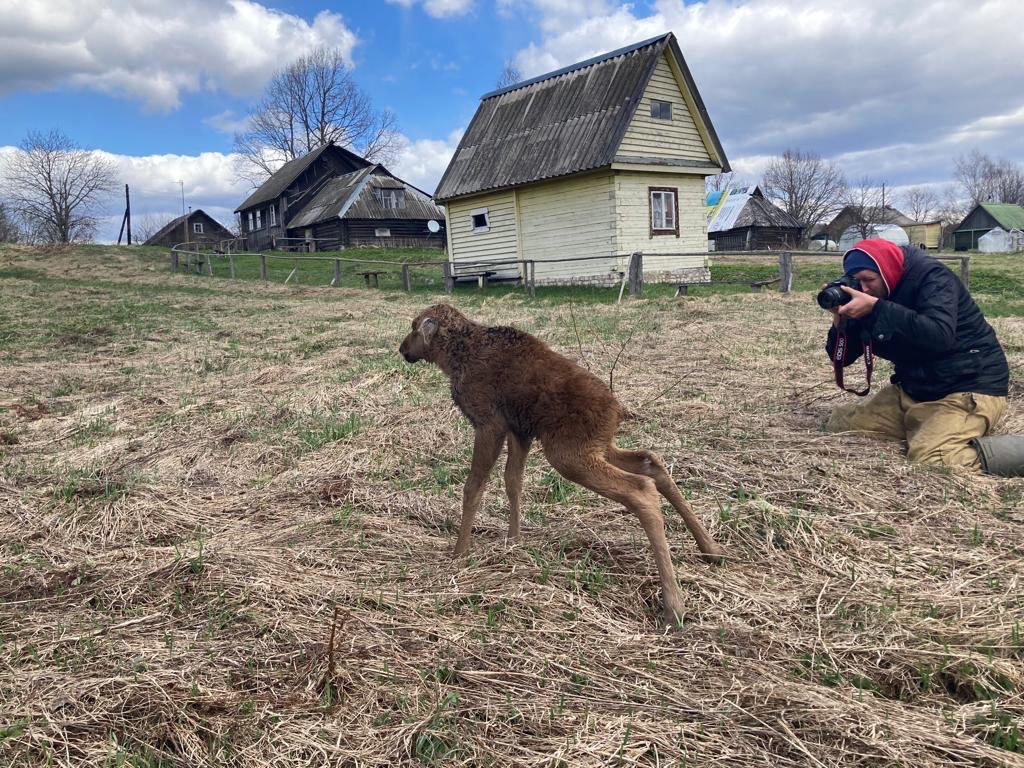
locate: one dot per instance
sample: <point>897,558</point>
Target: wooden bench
<point>480,275</point>
<point>370,273</point>
<point>682,289</point>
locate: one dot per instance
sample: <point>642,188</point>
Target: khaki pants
<point>937,432</point>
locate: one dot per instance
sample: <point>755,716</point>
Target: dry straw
<point>226,512</point>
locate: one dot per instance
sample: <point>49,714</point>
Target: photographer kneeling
<point>951,378</point>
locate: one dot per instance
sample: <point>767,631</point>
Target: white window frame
<point>391,198</point>
<point>273,216</point>
<point>259,219</point>
<point>661,103</point>
<point>197,227</point>
<point>382,232</point>
<point>251,228</point>
<point>473,226</point>
<point>669,201</point>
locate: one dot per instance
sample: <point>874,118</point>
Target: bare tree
<point>311,102</point>
<point>984,180</point>
<point>867,203</point>
<point>920,203</point>
<point>510,75</point>
<point>808,188</point>
<point>9,230</point>
<point>147,225</point>
<point>718,182</point>
<point>56,188</point>
<point>951,210</point>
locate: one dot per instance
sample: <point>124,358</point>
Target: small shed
<point>603,158</point>
<point>983,218</point>
<point>925,234</point>
<point>370,206</point>
<point>741,219</point>
<point>866,218</point>
<point>193,227</point>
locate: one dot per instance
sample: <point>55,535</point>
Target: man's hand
<point>860,304</point>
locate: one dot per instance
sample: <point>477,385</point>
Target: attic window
<point>661,110</point>
<point>390,197</point>
<point>197,227</point>
<point>481,220</point>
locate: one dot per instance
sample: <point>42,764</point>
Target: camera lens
<point>832,296</point>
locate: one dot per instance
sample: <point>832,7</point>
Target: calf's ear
<point>427,329</point>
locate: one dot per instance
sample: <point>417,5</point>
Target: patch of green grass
<point>329,430</point>
<point>93,485</point>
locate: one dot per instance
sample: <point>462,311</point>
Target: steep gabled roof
<point>279,181</point>
<point>173,223</point>
<point>1007,215</point>
<point>564,122</point>
<point>351,196</point>
<point>747,207</point>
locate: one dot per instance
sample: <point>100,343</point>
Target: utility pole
<point>182,197</point>
<point>127,217</point>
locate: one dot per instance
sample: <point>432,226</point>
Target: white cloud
<point>228,122</point>
<point>902,87</point>
<point>439,8</point>
<point>158,183</point>
<point>422,162</point>
<point>155,52</point>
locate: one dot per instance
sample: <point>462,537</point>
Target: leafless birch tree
<point>56,189</point>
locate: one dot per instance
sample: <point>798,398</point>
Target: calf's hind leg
<point>518,450</point>
<point>650,464</point>
<point>637,494</point>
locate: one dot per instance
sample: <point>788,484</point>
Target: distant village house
<point>741,219</point>
<point>193,227</point>
<point>333,198</point>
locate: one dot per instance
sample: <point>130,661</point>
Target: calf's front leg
<point>486,447</point>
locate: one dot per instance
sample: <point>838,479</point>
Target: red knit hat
<point>887,255</point>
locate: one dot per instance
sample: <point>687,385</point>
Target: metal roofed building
<point>602,158</point>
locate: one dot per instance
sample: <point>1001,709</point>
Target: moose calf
<point>509,384</point>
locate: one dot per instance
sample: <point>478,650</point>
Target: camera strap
<point>839,354</point>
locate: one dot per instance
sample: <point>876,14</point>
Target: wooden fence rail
<point>195,260</point>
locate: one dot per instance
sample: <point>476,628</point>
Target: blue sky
<point>893,91</point>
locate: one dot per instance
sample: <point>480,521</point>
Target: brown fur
<point>509,384</point>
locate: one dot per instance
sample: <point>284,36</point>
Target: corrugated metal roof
<point>746,207</point>
<point>353,196</point>
<point>272,188</point>
<point>565,122</point>
<point>1008,215</point>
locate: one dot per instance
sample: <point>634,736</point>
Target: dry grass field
<point>227,510</point>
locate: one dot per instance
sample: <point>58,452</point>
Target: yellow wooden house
<point>600,159</point>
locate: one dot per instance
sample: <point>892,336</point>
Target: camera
<point>832,295</point>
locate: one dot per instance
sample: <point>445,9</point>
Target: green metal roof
<point>1008,215</point>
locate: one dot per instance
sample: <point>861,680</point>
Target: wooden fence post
<point>263,266</point>
<point>174,262</point>
<point>231,261</point>
<point>965,271</point>
<point>209,264</point>
<point>785,272</point>
<point>449,279</point>
<point>336,282</point>
<point>533,279</point>
<point>406,279</point>
<point>636,274</point>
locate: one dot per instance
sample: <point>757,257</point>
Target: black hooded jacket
<point>933,332</point>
